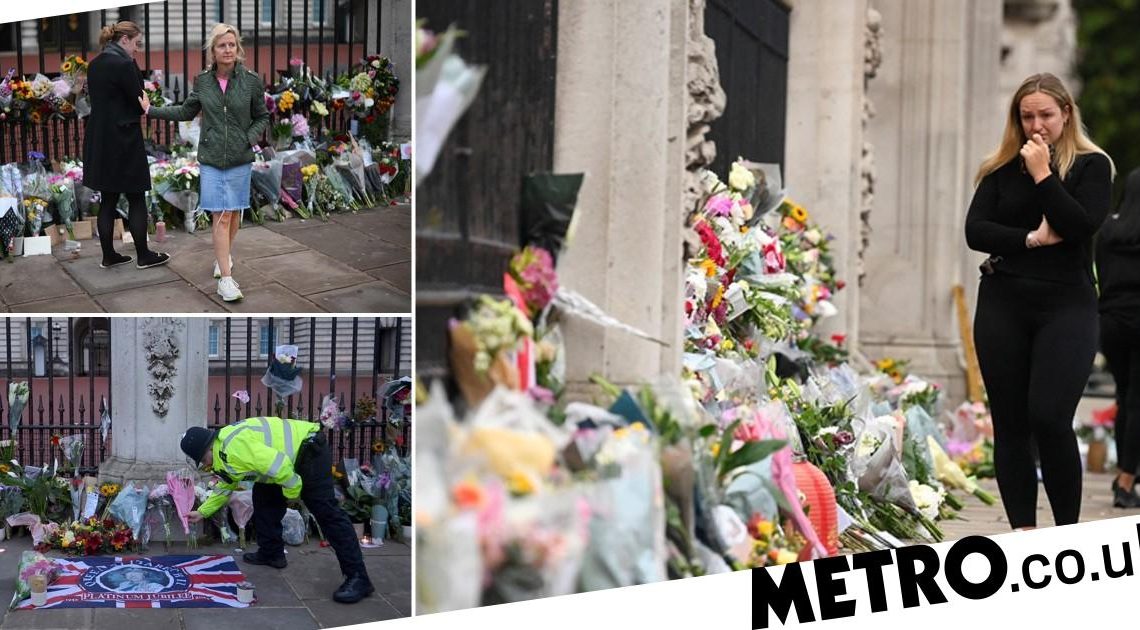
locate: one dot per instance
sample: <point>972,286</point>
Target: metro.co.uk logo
<point>911,573</point>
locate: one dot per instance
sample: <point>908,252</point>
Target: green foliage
<point>1109,69</point>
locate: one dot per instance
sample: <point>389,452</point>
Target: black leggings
<point>136,222</point>
<point>1036,341</point>
<point>1120,345</point>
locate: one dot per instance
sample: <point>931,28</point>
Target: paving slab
<point>357,249</point>
<point>309,272</point>
<point>79,303</point>
<point>264,298</point>
<point>259,242</point>
<point>330,614</point>
<point>33,278</point>
<point>401,601</point>
<point>252,618</point>
<point>62,619</point>
<point>398,275</point>
<point>171,297</point>
<point>198,270</point>
<point>373,297</point>
<point>97,281</point>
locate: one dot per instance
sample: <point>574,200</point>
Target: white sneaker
<point>228,289</point>
<point>218,268</point>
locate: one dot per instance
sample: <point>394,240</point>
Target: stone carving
<point>160,350</point>
<point>872,59</point>
<point>705,103</point>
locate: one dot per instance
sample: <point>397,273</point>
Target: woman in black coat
<point>114,158</point>
<point>1118,269</point>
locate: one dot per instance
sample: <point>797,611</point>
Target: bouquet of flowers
<point>331,416</point>
<point>283,375</point>
<point>533,271</point>
<point>312,183</point>
<point>241,506</point>
<point>72,447</point>
<point>17,398</point>
<point>89,537</point>
<point>180,485</point>
<point>63,194</point>
<point>129,507</point>
<point>152,87</point>
<point>32,563</point>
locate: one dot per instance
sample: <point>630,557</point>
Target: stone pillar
<point>934,94</point>
<point>620,118</point>
<point>158,391</point>
<point>396,40</point>
<point>825,137</point>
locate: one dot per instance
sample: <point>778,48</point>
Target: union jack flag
<point>140,582</point>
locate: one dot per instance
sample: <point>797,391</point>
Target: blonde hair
<point>217,33</point>
<point>1074,138</point>
<point>118,30</point>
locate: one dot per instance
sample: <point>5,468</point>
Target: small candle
<point>160,231</point>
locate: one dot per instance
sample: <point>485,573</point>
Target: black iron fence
<point>66,363</point>
<point>68,372</point>
<point>330,36</point>
<point>366,369</point>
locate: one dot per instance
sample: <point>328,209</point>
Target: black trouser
<point>136,222</point>
<point>1036,341</point>
<point>314,465</point>
<point>1120,344</point>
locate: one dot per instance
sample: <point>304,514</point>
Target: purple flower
<point>242,395</point>
<point>541,395</point>
<point>719,206</point>
<point>300,125</point>
<point>35,155</point>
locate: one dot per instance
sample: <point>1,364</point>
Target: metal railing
<point>341,36</point>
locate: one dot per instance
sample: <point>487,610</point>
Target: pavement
<point>352,263</point>
<point>297,597</point>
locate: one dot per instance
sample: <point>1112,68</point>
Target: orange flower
<point>468,494</point>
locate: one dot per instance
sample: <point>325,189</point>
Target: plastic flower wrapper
<point>330,414</point>
<point>241,506</point>
<point>221,520</point>
<point>265,179</point>
<point>350,166</point>
<point>951,474</point>
<point>533,547</point>
<point>533,271</point>
<point>63,194</point>
<point>293,530</point>
<point>130,506</point>
<point>512,438</point>
<point>31,563</point>
<point>448,564</point>
<point>483,347</point>
<point>72,447</point>
<point>343,188</point>
<point>445,87</point>
<point>35,176</point>
<point>396,396</point>
<point>17,399</point>
<point>11,500</point>
<point>180,485</point>
<point>160,511</point>
<point>627,514</point>
<point>284,374</point>
<point>548,208</point>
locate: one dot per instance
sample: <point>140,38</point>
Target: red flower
<point>369,119</point>
<point>55,440</point>
<point>839,339</point>
<point>400,441</point>
<point>711,243</point>
<point>839,285</point>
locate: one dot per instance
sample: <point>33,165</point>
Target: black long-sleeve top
<point>1008,205</point>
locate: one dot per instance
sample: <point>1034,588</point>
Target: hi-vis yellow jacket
<point>257,449</point>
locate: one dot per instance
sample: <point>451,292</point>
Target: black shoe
<point>1127,499</point>
<point>354,589</point>
<point>115,260</point>
<point>153,260</point>
<point>255,558</point>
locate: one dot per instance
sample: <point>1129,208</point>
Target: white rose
<point>740,178</point>
<point>826,309</point>
<point>813,236</point>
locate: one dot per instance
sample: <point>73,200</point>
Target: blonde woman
<point>231,100</point>
<point>1040,198</point>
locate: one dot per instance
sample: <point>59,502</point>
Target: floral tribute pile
<point>769,447</point>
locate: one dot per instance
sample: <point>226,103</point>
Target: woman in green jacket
<point>231,100</point>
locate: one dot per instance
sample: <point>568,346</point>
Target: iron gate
<point>467,221</point>
<point>752,54</point>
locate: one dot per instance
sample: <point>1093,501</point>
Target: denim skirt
<point>225,189</point>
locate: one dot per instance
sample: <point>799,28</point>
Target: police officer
<point>287,460</point>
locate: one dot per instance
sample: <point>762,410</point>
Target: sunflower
<point>337,474</point>
<point>35,117</point>
<point>377,447</point>
<point>798,213</point>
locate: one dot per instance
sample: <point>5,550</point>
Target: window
<point>36,332</point>
<point>268,11</point>
<point>264,344</point>
<point>215,334</point>
<point>318,16</point>
<point>263,347</point>
<point>219,5</point>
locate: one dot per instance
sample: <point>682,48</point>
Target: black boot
<point>256,558</point>
<point>354,589</point>
<point>1127,499</point>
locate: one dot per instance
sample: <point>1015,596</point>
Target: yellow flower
<point>727,345</point>
<point>65,66</point>
<point>520,483</point>
<point>709,266</point>
<point>718,297</point>
<point>714,448</point>
<point>766,528</point>
<point>337,474</point>
<point>797,212</point>
<point>784,556</point>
